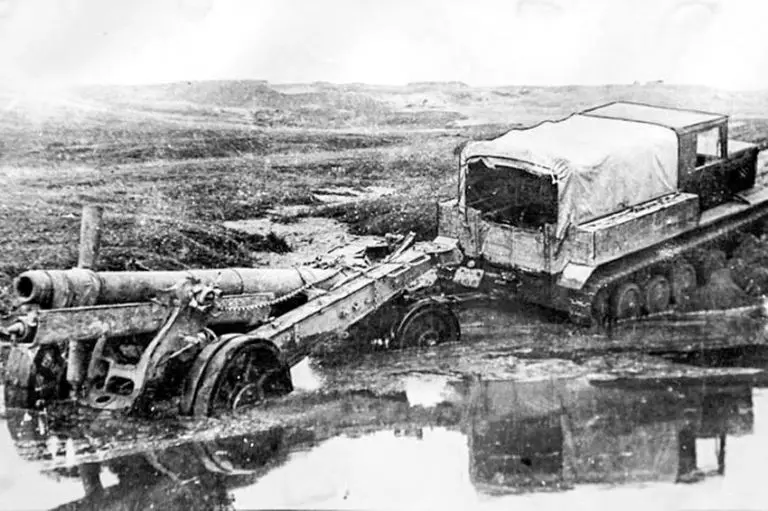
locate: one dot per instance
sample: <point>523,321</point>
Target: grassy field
<point>172,163</point>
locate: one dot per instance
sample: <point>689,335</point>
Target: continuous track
<point>582,304</point>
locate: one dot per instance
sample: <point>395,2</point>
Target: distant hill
<point>247,94</point>
<point>437,85</point>
<point>417,105</point>
<point>234,93</point>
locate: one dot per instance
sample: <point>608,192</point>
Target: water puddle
<point>630,431</point>
<point>305,378</point>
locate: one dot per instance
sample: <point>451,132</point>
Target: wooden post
<point>90,475</point>
<point>90,236</point>
<point>721,454</point>
<point>90,239</point>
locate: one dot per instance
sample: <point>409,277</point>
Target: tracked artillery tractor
<point>599,215</point>
<point>596,215</point>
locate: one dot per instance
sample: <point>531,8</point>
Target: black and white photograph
<point>383,255</point>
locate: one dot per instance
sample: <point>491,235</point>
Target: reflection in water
<point>560,433</point>
<point>522,437</point>
<point>190,476</point>
<point>197,475</point>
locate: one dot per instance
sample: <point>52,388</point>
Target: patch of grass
<point>133,243</point>
<point>389,215</point>
<point>159,245</point>
<point>128,142</point>
<point>6,302</point>
<point>751,130</point>
<point>431,118</point>
<point>241,190</point>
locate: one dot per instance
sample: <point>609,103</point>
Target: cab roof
<point>675,118</point>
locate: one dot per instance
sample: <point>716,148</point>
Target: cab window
<point>709,146</point>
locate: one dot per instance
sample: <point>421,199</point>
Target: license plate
<point>468,277</point>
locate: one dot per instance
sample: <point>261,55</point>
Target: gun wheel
<point>240,374</point>
<point>267,384</point>
<point>35,378</point>
<point>427,324</point>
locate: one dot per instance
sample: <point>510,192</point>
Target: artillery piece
<point>222,339</point>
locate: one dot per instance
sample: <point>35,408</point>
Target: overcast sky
<point>723,43</point>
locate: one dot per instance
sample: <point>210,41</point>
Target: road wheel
<point>627,301</point>
<point>682,280</point>
<point>657,294</point>
<point>708,262</point>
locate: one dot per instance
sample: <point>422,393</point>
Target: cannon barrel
<point>78,287</point>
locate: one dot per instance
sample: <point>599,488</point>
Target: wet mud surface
<point>472,425</point>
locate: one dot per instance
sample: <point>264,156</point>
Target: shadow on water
<point>481,439</point>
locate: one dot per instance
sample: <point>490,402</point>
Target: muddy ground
<point>250,174</point>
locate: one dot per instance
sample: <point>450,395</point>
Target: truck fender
<point>575,275</point>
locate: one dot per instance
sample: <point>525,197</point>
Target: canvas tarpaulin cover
<point>599,165</point>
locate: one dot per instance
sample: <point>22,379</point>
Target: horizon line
<point>461,83</point>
